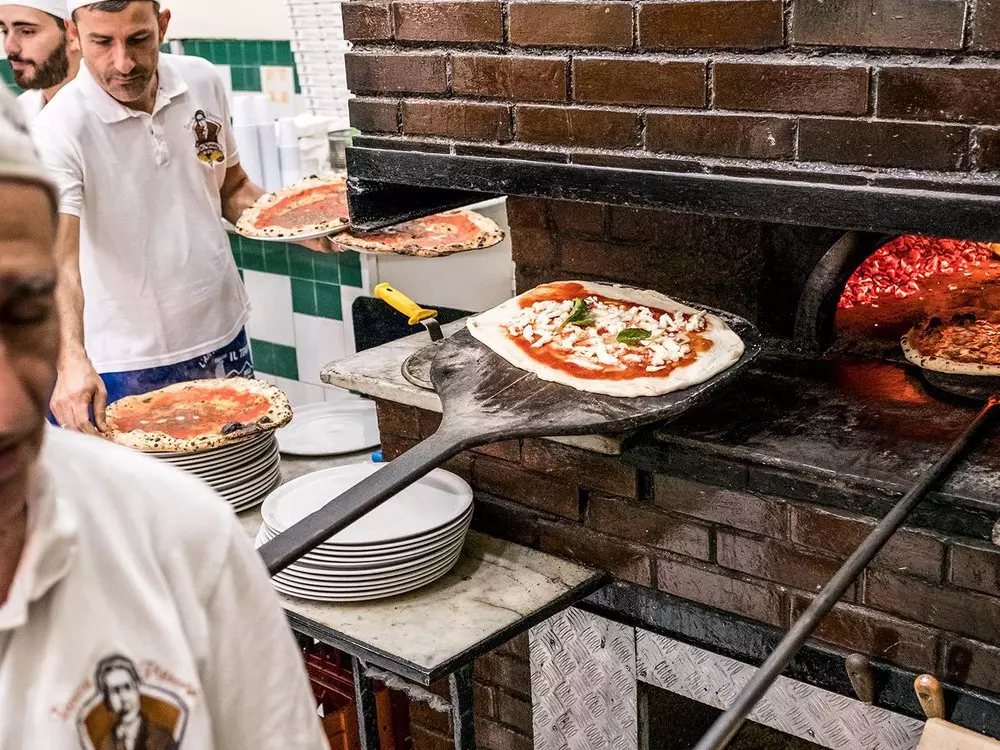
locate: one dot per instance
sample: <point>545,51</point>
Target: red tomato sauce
<point>313,206</point>
<point>214,409</point>
<point>425,232</point>
<point>556,359</point>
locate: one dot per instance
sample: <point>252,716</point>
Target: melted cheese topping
<point>543,325</point>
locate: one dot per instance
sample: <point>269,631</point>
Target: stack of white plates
<point>408,542</point>
<point>243,473</point>
<point>334,428</point>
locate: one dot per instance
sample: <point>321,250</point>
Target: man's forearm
<point>69,292</point>
<point>238,194</point>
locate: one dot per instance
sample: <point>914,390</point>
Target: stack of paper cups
<point>245,131</point>
<point>268,139</point>
<point>289,153</point>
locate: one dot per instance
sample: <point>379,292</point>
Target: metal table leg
<point>364,695</point>
<point>463,714</point>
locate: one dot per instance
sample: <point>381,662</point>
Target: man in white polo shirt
<point>134,612</point>
<point>38,50</point>
<point>142,148</point>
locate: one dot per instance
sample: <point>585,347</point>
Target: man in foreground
<point>142,148</point>
<point>130,598</point>
<point>38,50</point>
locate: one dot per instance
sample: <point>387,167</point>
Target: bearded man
<point>38,50</point>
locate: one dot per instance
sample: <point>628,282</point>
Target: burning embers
<point>901,268</point>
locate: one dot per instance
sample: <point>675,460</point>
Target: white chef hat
<point>18,158</point>
<point>55,8</point>
<point>75,5</point>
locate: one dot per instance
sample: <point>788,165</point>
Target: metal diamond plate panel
<point>808,712</point>
<point>583,684</point>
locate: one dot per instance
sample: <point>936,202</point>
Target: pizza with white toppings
<point>962,342</point>
<point>609,339</point>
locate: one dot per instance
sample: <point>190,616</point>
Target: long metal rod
<point>341,512</point>
<point>727,725</point>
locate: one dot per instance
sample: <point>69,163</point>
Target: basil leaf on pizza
<point>609,339</point>
<point>197,415</point>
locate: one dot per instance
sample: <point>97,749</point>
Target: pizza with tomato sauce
<point>962,342</point>
<point>609,339</point>
<point>197,415</point>
<point>429,237</point>
<point>313,207</point>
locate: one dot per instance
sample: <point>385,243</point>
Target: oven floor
<point>677,723</point>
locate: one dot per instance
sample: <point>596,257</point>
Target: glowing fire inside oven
<point>897,269</point>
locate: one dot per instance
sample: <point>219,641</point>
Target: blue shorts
<point>232,360</point>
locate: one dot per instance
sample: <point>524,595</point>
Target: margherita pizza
<point>314,206</point>
<point>429,237</point>
<point>963,342</point>
<point>197,415</point>
<point>609,339</point>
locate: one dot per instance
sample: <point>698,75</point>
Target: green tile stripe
<point>274,359</point>
<point>245,57</point>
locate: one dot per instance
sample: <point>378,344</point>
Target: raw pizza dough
<point>722,346</point>
<point>429,237</point>
<point>961,342</point>
<point>197,415</point>
<point>312,206</point>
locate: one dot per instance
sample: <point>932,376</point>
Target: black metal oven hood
<point>390,185</point>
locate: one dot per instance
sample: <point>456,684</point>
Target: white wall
<point>228,19</point>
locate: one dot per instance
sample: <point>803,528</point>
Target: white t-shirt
<point>31,103</point>
<point>159,281</point>
<point>136,567</point>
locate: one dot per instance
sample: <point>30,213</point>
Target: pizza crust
<point>278,415</point>
<point>938,363</point>
<point>489,235</point>
<point>727,349</point>
<point>247,225</point>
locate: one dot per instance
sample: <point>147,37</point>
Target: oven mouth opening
<point>907,280</point>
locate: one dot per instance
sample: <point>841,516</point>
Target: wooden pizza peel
<point>485,399</point>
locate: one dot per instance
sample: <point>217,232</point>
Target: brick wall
<point>859,84</point>
<point>928,602</point>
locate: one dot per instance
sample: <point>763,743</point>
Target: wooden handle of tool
<point>401,303</point>
<point>931,696</point>
<point>859,670</point>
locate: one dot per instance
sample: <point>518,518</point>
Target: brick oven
<point>750,155</point>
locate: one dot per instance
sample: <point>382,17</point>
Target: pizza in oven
<point>962,342</point>
<point>609,339</point>
<point>429,237</point>
<point>197,415</point>
<point>310,208</point>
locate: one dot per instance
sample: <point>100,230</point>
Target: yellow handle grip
<point>400,302</point>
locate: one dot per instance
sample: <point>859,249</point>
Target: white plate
<point>378,551</point>
<point>360,595</point>
<point>434,501</point>
<point>338,576</point>
<point>253,490</point>
<point>298,237</point>
<point>233,478</point>
<point>330,429</point>
<point>217,455</point>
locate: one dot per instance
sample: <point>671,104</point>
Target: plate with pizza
<point>609,339</point>
<point>429,237</point>
<point>314,207</point>
<point>964,341</point>
<point>198,415</point>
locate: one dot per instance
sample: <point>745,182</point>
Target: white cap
<point>75,5</point>
<point>18,158</point>
<point>55,8</point>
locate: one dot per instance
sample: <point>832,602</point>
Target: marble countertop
<point>497,591</point>
<point>378,373</point>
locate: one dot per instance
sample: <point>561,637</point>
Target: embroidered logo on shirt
<point>207,129</point>
<point>124,712</point>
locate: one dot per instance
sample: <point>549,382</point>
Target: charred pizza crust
<point>386,242</point>
<point>278,415</point>
<point>247,225</point>
<point>727,347</point>
<point>961,342</point>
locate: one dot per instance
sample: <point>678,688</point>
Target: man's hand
<point>323,245</point>
<point>79,389</point>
